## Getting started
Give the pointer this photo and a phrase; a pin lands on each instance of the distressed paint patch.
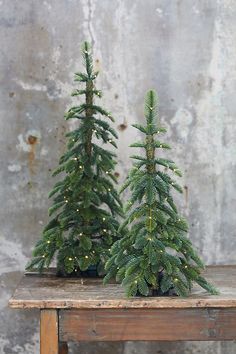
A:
(28, 87)
(14, 168)
(23, 144)
(11, 256)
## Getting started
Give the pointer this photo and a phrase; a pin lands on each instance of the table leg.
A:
(63, 348)
(49, 343)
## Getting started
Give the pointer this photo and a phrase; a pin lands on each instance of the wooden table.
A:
(85, 310)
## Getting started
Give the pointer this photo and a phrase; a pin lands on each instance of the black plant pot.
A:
(91, 272)
(159, 292)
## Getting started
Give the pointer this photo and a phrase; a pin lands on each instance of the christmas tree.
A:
(154, 257)
(85, 207)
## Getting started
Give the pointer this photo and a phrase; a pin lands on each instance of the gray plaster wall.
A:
(183, 48)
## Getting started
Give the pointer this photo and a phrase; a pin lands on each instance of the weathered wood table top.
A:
(50, 292)
(75, 309)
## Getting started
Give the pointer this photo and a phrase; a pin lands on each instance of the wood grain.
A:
(49, 291)
(147, 324)
(49, 332)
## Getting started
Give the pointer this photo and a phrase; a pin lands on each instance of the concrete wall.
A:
(183, 48)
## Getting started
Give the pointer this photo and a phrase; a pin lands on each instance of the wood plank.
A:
(49, 291)
(147, 324)
(49, 343)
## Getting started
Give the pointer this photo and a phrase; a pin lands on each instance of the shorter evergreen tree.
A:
(154, 257)
(85, 207)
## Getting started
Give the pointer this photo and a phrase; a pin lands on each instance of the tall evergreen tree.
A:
(83, 223)
(154, 256)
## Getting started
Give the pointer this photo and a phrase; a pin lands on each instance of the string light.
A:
(73, 139)
(150, 217)
(109, 189)
(77, 209)
(179, 219)
(43, 256)
(172, 183)
(107, 172)
(104, 230)
(81, 234)
(176, 279)
(158, 132)
(81, 166)
(75, 158)
(166, 199)
(151, 108)
(135, 281)
(70, 259)
(66, 201)
(93, 251)
(48, 241)
(186, 266)
(86, 257)
(86, 52)
(161, 251)
(160, 145)
(109, 249)
(103, 219)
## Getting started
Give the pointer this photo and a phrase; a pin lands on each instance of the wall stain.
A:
(32, 141)
(186, 196)
(123, 126)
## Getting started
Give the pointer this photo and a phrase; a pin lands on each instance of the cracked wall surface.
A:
(183, 48)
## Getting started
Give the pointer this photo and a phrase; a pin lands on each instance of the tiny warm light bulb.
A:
(151, 108)
(93, 251)
(48, 241)
(81, 234)
(160, 145)
(185, 266)
(109, 140)
(150, 217)
(107, 172)
(81, 166)
(104, 230)
(77, 209)
(43, 255)
(158, 132)
(135, 281)
(176, 279)
(66, 201)
(86, 257)
(161, 251)
(179, 219)
(70, 259)
(103, 219)
(109, 189)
